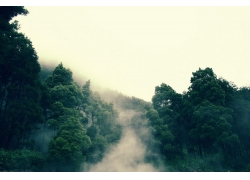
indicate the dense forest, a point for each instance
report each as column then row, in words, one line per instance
column 48, row 122
column 205, row 128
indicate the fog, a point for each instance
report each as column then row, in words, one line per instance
column 42, row 137
column 135, row 151
column 134, row 49
column 134, row 52
column 129, row 154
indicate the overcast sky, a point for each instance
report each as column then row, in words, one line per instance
column 134, row 49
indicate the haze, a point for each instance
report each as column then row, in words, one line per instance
column 134, row 49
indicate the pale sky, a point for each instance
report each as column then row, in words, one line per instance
column 134, row 49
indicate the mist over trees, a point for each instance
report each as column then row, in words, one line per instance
column 48, row 122
column 47, row 117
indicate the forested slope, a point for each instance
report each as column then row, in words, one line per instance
column 48, row 122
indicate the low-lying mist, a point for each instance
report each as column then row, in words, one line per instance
column 127, row 155
column 134, row 151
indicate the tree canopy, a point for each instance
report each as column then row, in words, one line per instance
column 48, row 122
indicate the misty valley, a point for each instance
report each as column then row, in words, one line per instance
column 51, row 123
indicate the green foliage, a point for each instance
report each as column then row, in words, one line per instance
column 86, row 92
column 206, row 128
column 162, row 133
column 8, row 12
column 20, row 93
column 103, row 128
column 205, row 86
column 21, row 160
column 92, row 131
column 65, row 150
column 169, row 125
column 82, row 123
column 60, row 76
column 45, row 72
column 210, row 120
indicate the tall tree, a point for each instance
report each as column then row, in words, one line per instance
column 67, row 147
column 205, row 86
column 169, row 104
column 67, row 150
column 20, row 109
